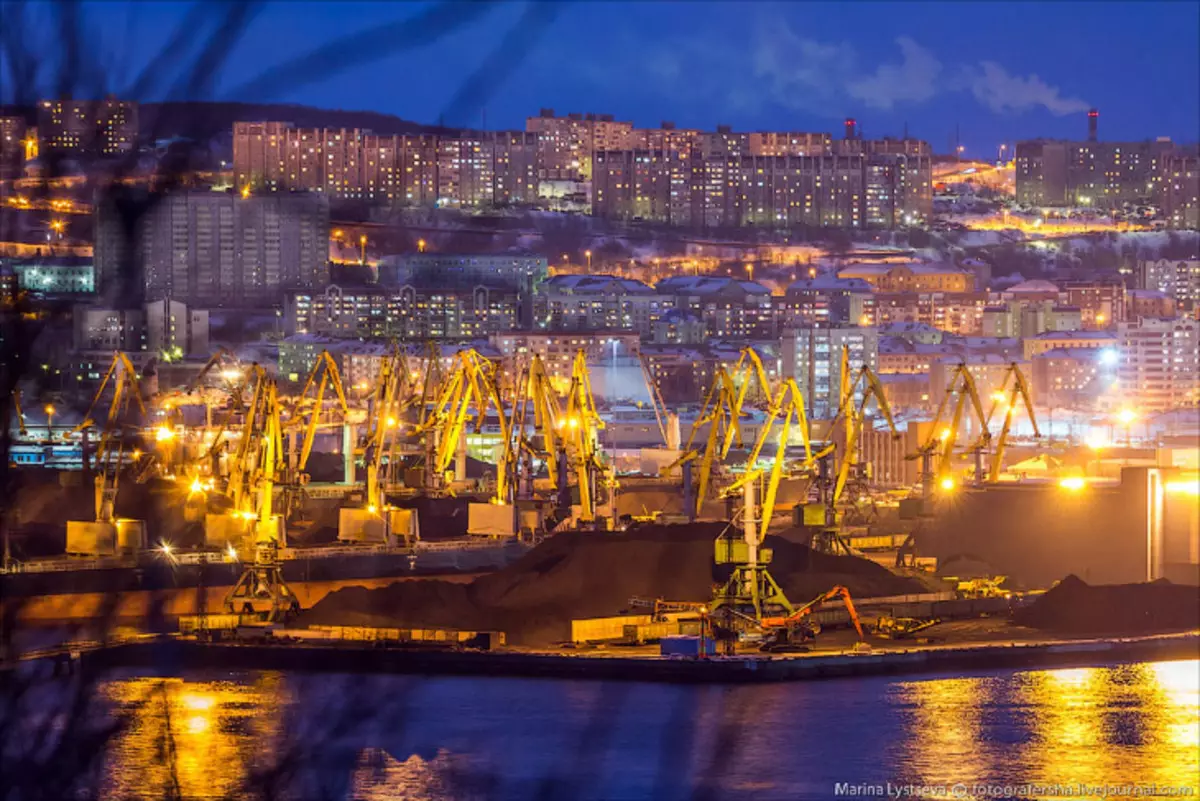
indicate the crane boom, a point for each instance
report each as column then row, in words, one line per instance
column 1018, row 391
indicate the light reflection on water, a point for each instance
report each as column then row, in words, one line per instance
column 389, row 738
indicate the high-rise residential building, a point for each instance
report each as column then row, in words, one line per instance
column 13, row 134
column 88, row 127
column 1175, row 278
column 1159, row 366
column 813, row 357
column 566, row 144
column 469, row 169
column 1181, row 191
column 680, row 177
column 1091, row 172
column 219, row 248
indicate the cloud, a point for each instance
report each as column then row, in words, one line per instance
column 1003, row 93
column 915, row 80
column 799, row 72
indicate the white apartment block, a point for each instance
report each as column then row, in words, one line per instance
column 1160, row 364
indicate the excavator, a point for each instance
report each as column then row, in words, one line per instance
column 797, row 630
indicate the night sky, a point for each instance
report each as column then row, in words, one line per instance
column 1000, row 72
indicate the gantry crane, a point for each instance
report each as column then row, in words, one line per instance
column 943, row 437
column 1017, row 390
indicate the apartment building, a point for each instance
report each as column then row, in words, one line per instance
column 558, row 350
column 827, row 300
column 728, row 308
column 217, row 248
column 1159, row 366
column 1100, row 174
column 1178, row 279
column 106, row 127
column 1180, row 195
column 469, row 169
column 813, row 356
column 566, row 144
column 591, row 302
column 409, row 312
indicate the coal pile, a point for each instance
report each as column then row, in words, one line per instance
column 1075, row 607
column 586, row 574
column 44, row 503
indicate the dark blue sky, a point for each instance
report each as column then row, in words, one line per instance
column 1000, row 71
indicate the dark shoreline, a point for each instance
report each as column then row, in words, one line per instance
column 292, row 657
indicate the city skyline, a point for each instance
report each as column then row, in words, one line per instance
column 802, row 67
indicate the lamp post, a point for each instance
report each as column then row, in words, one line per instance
column 362, row 249
column 588, row 255
column 49, row 420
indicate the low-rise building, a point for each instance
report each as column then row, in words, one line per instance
column 912, row 277
column 65, row 275
column 1148, row 303
column 592, row 302
column 405, row 312
column 729, row 308
column 1072, row 378
column 1050, row 340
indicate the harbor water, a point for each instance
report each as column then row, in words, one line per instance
column 1069, row 733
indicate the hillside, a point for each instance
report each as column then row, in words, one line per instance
column 178, row 118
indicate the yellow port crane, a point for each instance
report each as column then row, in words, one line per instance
column 721, row 414
column 579, row 430
column 471, row 383
column 864, row 380
column 944, row 436
column 305, row 415
column 1013, row 388
column 261, row 595
column 20, row 415
column 393, row 393
column 123, row 378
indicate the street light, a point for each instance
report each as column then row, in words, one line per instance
column 362, row 245
column 1073, row 483
column 420, row 245
column 49, row 419
column 588, row 255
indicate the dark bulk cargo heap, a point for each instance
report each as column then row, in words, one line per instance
column 46, row 502
column 585, row 574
